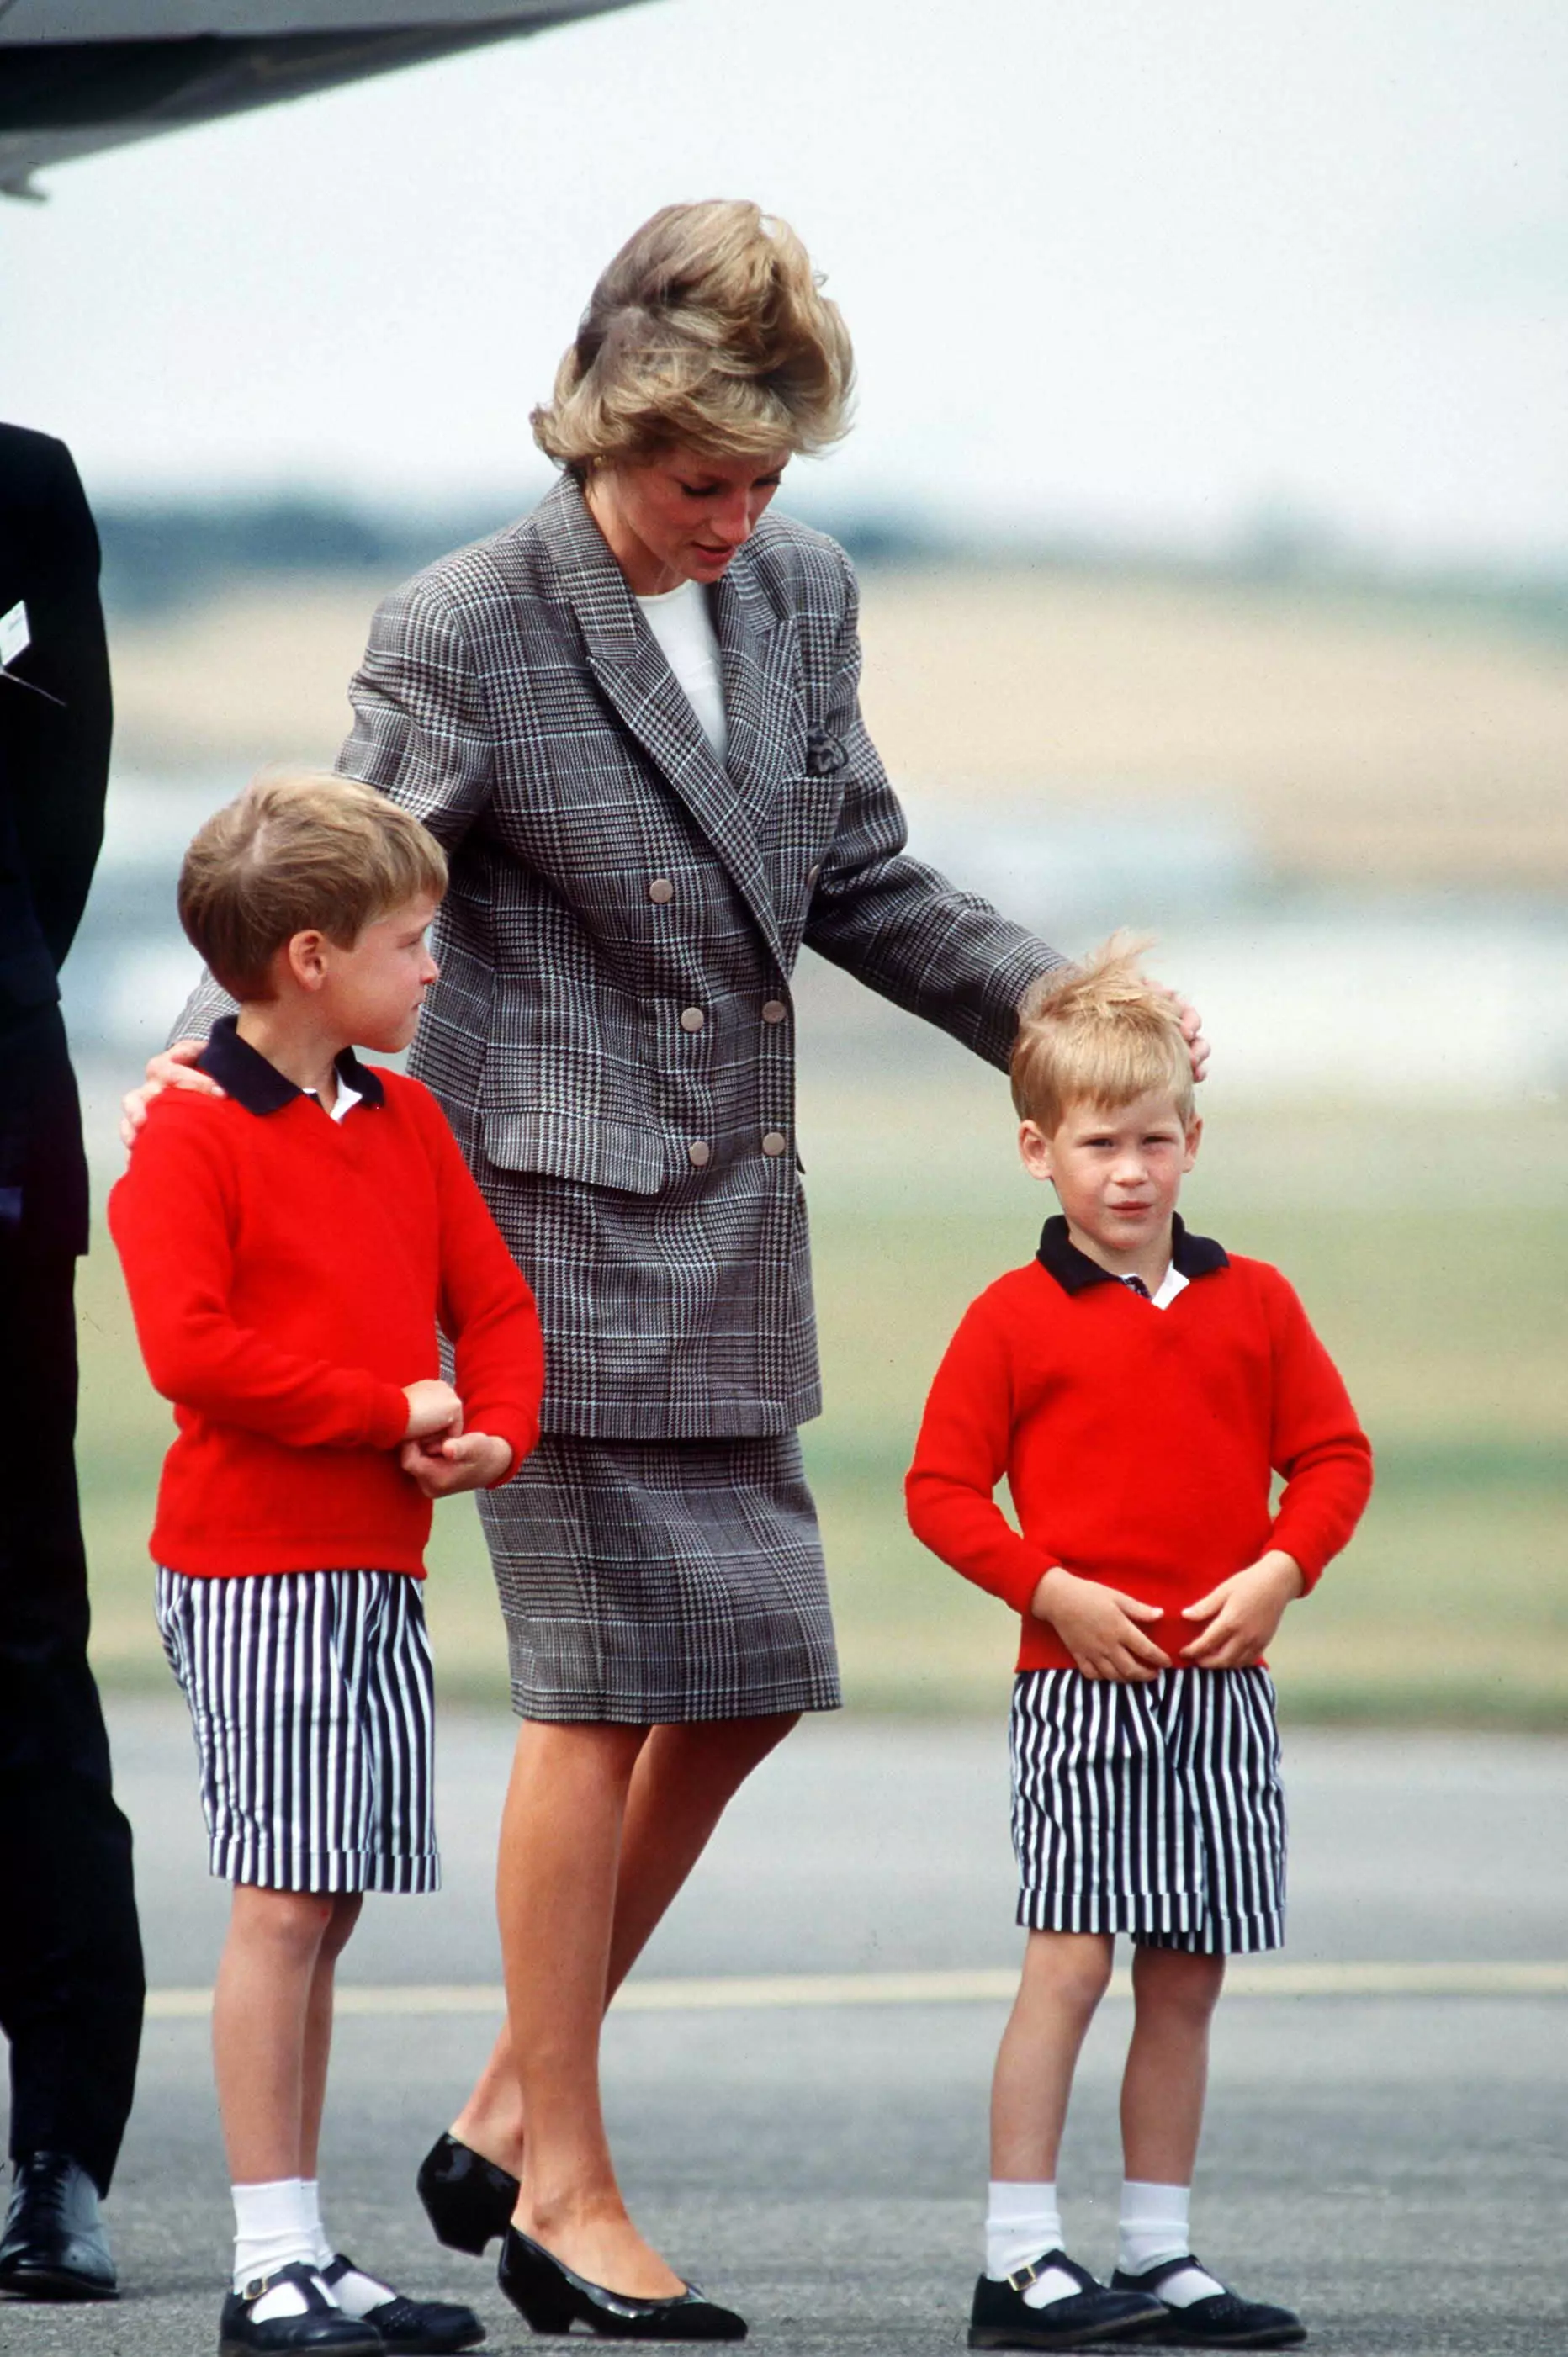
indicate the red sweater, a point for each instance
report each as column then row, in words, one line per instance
column 1137, row 1442
column 287, row 1273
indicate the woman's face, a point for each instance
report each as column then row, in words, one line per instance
column 681, row 516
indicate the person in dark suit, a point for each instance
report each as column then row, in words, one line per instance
column 70, row 1960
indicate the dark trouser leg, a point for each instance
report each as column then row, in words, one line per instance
column 71, row 1959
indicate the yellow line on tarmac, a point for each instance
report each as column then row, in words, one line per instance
column 792, row 1991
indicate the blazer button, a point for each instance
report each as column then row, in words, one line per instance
column 774, row 1141
column 661, row 889
column 692, row 1019
column 813, row 874
column 774, row 1010
column 699, row 1152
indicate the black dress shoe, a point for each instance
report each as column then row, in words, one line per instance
column 1223, row 2320
column 410, row 2327
column 320, row 2324
column 1002, row 2319
column 53, row 2246
column 551, row 2298
column 468, row 2199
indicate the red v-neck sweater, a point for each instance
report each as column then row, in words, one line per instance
column 1137, row 1443
column 287, row 1273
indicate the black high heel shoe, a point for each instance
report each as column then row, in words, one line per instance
column 468, row 2199
column 550, row 2298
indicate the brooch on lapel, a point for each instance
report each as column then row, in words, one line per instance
column 825, row 753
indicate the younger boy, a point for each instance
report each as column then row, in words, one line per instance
column 289, row 1245
column 1136, row 1385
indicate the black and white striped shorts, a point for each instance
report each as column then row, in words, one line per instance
column 311, row 1698
column 1151, row 1809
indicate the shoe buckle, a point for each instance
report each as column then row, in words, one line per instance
column 1022, row 2277
column 255, row 2289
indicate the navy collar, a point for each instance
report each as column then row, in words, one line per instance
column 1075, row 1272
column 245, row 1073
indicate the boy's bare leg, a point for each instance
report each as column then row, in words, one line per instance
column 346, row 1907
column 1166, row 2075
column 684, row 1779
column 259, row 2006
column 560, row 1852
column 1065, row 1976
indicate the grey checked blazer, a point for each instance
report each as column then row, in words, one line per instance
column 612, row 1036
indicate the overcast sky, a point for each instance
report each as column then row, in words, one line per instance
column 1152, row 270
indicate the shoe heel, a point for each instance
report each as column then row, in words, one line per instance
column 535, row 2287
column 468, row 2200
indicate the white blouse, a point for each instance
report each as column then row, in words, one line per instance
column 683, row 623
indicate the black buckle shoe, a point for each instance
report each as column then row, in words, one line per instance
column 320, row 2323
column 468, row 2199
column 53, row 2246
column 1223, row 2320
column 410, row 2327
column 549, row 2297
column 1002, row 2318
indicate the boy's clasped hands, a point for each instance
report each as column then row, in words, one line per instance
column 1105, row 1630
column 436, row 1452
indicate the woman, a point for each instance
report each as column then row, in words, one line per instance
column 632, row 720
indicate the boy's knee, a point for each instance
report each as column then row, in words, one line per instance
column 288, row 1919
column 1175, row 1981
column 1074, row 1967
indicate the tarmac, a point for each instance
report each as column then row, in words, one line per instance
column 797, row 2081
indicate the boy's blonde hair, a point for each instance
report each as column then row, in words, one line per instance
column 708, row 330
column 1098, row 1033
column 299, row 851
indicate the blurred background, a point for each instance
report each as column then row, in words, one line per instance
column 1211, row 495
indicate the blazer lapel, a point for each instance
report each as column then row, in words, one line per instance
column 627, row 661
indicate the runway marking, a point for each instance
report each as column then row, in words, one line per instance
column 794, row 1991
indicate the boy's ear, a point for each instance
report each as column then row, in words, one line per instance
column 1194, row 1140
column 303, row 957
column 1035, row 1150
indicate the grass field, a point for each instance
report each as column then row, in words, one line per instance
column 1432, row 1253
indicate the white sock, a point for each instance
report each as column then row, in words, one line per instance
column 1154, row 2229
column 272, row 2229
column 311, row 2189
column 1022, row 2224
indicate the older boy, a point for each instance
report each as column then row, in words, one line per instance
column 289, row 1246
column 1137, row 1386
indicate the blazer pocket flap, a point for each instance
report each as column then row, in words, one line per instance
column 593, row 1153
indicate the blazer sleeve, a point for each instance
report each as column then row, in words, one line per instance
column 961, row 1456
column 171, row 1220
column 487, row 1310
column 1316, row 1441
column 895, row 923
column 421, row 731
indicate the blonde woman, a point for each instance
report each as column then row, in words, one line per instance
column 632, row 720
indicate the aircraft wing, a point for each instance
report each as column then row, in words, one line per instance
column 79, row 75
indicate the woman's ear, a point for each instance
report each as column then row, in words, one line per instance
column 1035, row 1150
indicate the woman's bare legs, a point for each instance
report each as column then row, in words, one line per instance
column 653, row 1798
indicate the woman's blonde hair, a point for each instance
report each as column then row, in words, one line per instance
column 299, row 851
column 1098, row 1033
column 709, row 329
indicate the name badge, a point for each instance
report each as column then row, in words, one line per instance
column 16, row 638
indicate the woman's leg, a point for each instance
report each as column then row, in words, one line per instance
column 1065, row 1976
column 346, row 1909
column 684, row 1780
column 560, row 1852
column 1162, row 2087
column 260, row 2008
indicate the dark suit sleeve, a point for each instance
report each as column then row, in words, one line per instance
column 895, row 924
column 57, row 752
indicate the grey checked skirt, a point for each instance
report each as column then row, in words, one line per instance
column 648, row 1583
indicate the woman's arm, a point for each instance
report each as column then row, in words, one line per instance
column 422, row 729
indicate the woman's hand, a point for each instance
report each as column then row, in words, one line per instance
column 1099, row 1626
column 1243, row 1612
column 1191, row 1028
column 434, row 1411
column 469, row 1460
column 175, row 1069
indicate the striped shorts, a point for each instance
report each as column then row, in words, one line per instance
column 311, row 1698
column 1151, row 1809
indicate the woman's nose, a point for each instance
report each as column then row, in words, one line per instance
column 733, row 521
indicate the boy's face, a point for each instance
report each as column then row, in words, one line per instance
column 372, row 992
column 1117, row 1173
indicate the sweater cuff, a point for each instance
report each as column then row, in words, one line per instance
column 387, row 1423
column 1032, row 1565
column 1312, row 1560
column 519, row 1431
